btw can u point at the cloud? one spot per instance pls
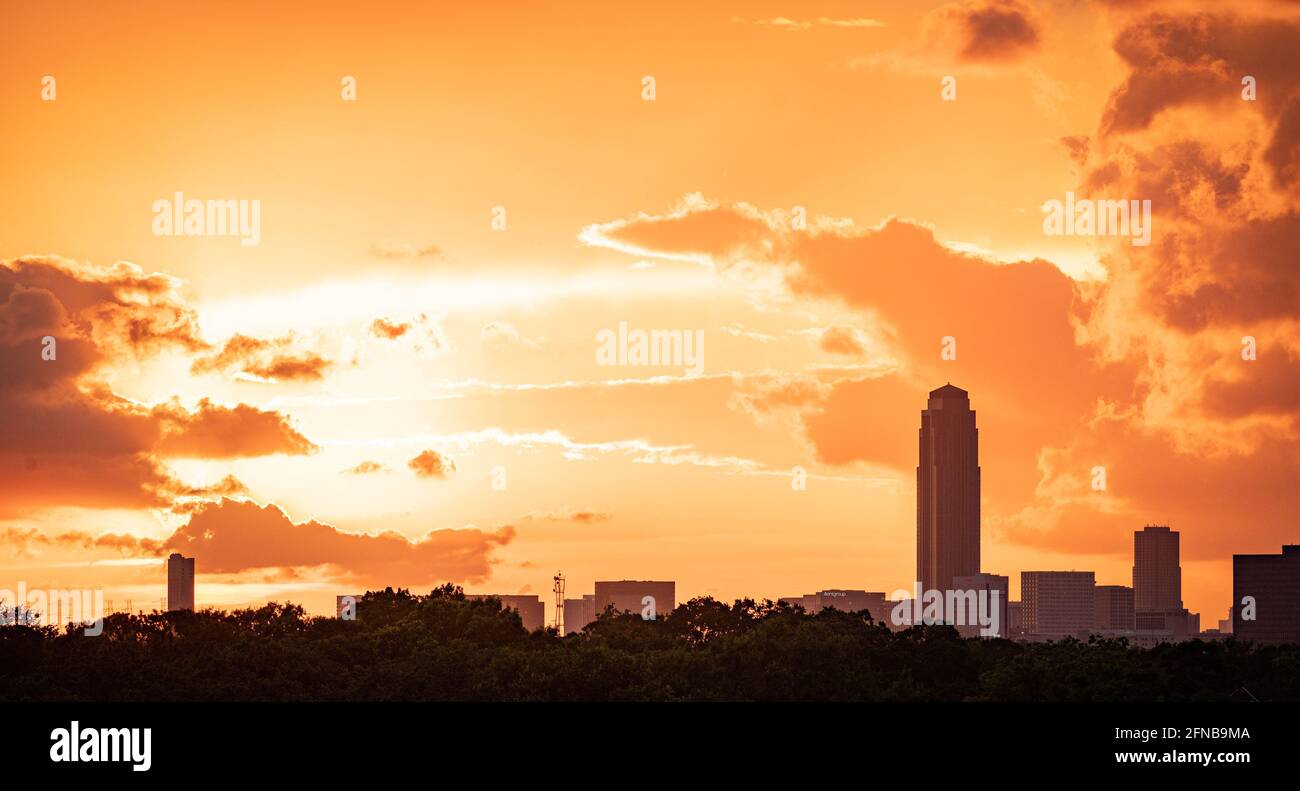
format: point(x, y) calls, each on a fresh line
point(1077, 147)
point(95, 449)
point(383, 328)
point(235, 536)
point(1177, 60)
point(842, 340)
point(1255, 389)
point(366, 468)
point(983, 31)
point(696, 230)
point(67, 439)
point(785, 23)
point(432, 464)
point(119, 309)
point(23, 541)
point(500, 335)
point(920, 291)
point(405, 251)
point(390, 330)
point(273, 360)
point(217, 432)
point(578, 516)
point(765, 395)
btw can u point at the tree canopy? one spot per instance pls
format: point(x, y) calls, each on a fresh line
point(445, 647)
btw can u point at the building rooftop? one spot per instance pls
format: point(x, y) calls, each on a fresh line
point(949, 390)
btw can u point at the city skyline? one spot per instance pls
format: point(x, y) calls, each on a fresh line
point(1052, 603)
point(431, 293)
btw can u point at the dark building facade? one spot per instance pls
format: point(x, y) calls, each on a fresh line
point(1114, 608)
point(1157, 575)
point(994, 588)
point(1158, 584)
point(947, 491)
point(1273, 583)
point(1056, 604)
point(579, 612)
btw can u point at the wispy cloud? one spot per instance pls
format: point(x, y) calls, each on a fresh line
point(785, 23)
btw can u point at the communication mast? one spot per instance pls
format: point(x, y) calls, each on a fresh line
point(559, 602)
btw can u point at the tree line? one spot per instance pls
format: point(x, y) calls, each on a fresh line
point(445, 647)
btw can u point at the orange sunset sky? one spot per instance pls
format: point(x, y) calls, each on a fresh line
point(328, 410)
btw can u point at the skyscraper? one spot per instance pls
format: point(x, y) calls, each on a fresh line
point(947, 491)
point(180, 582)
point(1266, 596)
point(1157, 577)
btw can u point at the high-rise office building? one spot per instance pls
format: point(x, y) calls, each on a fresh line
point(180, 582)
point(1114, 608)
point(1157, 576)
point(579, 612)
point(1271, 614)
point(1158, 585)
point(1058, 604)
point(637, 596)
point(947, 491)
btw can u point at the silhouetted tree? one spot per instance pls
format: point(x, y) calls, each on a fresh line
point(444, 646)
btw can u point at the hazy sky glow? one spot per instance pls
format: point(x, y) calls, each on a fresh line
point(330, 408)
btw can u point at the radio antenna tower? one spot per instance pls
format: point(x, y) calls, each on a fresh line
point(559, 602)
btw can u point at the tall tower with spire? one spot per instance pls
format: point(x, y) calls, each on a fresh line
point(947, 491)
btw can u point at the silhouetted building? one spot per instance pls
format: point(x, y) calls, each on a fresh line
point(808, 602)
point(1114, 608)
point(636, 596)
point(993, 588)
point(1174, 625)
point(531, 609)
point(579, 612)
point(1157, 576)
point(947, 491)
point(1158, 587)
point(180, 582)
point(1057, 604)
point(1015, 619)
point(846, 601)
point(1273, 584)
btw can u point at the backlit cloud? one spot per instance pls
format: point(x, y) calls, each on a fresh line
point(432, 464)
point(235, 536)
